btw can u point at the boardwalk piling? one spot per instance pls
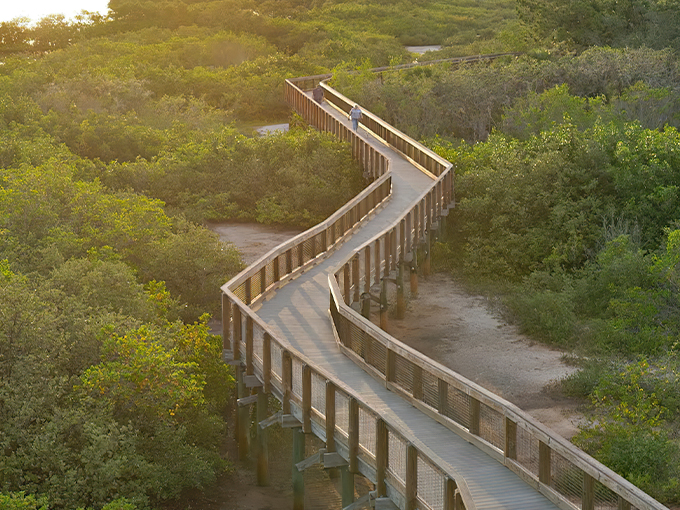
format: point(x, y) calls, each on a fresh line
point(298, 480)
point(262, 447)
point(243, 416)
point(383, 304)
point(414, 279)
point(401, 303)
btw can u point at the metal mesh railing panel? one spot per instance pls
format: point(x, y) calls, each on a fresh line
point(404, 373)
point(342, 413)
point(396, 456)
point(566, 479)
point(240, 291)
point(277, 355)
point(527, 451)
point(269, 273)
point(431, 390)
point(319, 393)
point(491, 426)
point(255, 285)
point(258, 346)
point(281, 261)
point(297, 378)
point(367, 430)
point(605, 498)
point(295, 256)
point(308, 250)
point(356, 339)
point(378, 357)
point(430, 485)
point(458, 408)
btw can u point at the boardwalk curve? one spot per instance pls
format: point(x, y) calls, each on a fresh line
point(424, 435)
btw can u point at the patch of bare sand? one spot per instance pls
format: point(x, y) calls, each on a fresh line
point(253, 239)
point(462, 332)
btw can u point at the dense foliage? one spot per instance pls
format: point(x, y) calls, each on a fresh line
point(617, 23)
point(117, 142)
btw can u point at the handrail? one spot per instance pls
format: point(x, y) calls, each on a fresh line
point(414, 151)
point(325, 406)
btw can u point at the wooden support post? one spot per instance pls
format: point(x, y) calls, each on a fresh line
point(391, 366)
point(376, 262)
point(388, 253)
point(226, 323)
point(267, 362)
point(450, 494)
point(287, 380)
point(408, 232)
point(277, 269)
point(411, 492)
point(381, 447)
point(383, 304)
point(401, 303)
point(249, 345)
point(588, 498)
point(510, 439)
point(366, 305)
point(347, 483)
point(428, 248)
point(248, 291)
point(330, 416)
point(460, 505)
point(346, 284)
point(289, 261)
point(417, 390)
point(474, 416)
point(367, 269)
point(414, 278)
point(298, 480)
point(263, 280)
point(355, 278)
point(393, 250)
point(237, 331)
point(306, 399)
point(544, 463)
point(243, 417)
point(262, 447)
point(443, 397)
point(353, 435)
point(235, 409)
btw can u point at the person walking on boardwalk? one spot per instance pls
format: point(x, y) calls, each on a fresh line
point(355, 116)
point(317, 94)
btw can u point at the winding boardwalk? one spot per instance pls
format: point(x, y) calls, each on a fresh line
point(299, 312)
point(427, 437)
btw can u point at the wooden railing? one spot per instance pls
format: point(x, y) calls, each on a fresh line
point(402, 470)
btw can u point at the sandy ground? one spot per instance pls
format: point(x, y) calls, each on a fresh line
point(253, 240)
point(462, 332)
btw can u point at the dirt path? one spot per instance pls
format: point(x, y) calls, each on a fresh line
point(461, 332)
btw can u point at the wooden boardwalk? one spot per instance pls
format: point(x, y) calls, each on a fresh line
point(299, 313)
point(427, 437)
